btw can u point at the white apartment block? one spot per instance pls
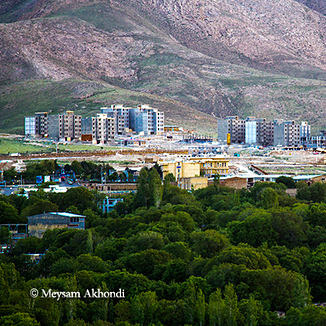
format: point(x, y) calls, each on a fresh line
point(146, 119)
point(103, 128)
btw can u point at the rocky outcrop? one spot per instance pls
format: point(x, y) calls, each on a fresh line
point(317, 5)
point(257, 33)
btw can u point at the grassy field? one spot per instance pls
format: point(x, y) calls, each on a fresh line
point(10, 146)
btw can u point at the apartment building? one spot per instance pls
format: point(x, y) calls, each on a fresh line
point(103, 128)
point(148, 120)
point(121, 116)
point(286, 133)
point(232, 126)
point(304, 133)
point(37, 125)
point(187, 173)
point(181, 168)
point(193, 173)
point(212, 165)
point(259, 132)
point(65, 126)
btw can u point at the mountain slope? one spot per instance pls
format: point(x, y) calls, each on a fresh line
point(190, 58)
point(317, 5)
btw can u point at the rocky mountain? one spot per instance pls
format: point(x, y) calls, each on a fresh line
point(195, 59)
point(317, 5)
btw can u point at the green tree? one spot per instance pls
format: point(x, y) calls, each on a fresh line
point(143, 193)
point(143, 307)
point(318, 192)
point(26, 246)
point(268, 198)
point(79, 197)
point(200, 307)
point(18, 319)
point(252, 311)
point(243, 255)
point(146, 240)
point(254, 230)
point(209, 242)
point(8, 214)
point(288, 181)
point(155, 188)
point(167, 185)
point(231, 309)
point(216, 308)
point(316, 273)
point(5, 235)
point(76, 167)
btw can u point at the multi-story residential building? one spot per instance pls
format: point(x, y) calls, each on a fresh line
point(37, 125)
point(304, 133)
point(259, 132)
point(266, 133)
point(103, 128)
point(234, 126)
point(41, 123)
point(286, 133)
point(56, 130)
point(212, 165)
point(72, 125)
point(121, 116)
point(148, 120)
point(30, 130)
point(187, 174)
point(318, 141)
point(65, 126)
point(87, 126)
point(181, 168)
point(193, 172)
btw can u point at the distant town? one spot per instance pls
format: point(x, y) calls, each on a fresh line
point(117, 120)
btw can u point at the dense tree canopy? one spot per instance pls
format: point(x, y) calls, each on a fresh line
point(215, 256)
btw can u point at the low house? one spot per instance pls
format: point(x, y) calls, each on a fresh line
point(38, 224)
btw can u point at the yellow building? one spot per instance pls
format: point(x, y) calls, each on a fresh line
point(193, 183)
point(212, 165)
point(186, 173)
point(181, 169)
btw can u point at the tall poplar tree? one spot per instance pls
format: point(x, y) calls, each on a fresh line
point(142, 195)
point(155, 188)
